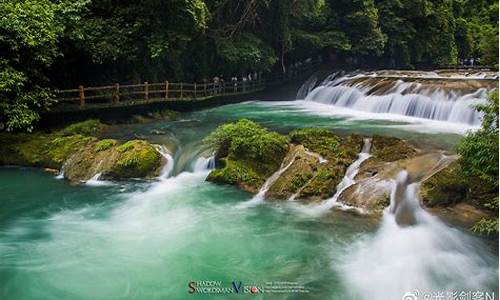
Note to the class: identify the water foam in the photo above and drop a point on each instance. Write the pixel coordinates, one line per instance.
(427, 256)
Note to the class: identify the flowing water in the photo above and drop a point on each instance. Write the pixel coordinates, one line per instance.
(149, 239)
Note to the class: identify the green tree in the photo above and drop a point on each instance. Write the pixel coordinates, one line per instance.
(479, 158)
(29, 33)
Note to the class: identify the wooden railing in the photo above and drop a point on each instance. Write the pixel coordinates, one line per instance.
(164, 91)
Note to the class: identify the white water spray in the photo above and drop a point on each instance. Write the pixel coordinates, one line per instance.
(348, 178)
(422, 254)
(261, 195)
(400, 98)
(96, 181)
(60, 175)
(170, 163)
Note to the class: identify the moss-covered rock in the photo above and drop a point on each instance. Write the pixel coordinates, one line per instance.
(296, 176)
(338, 151)
(444, 188)
(82, 156)
(136, 159)
(246, 153)
(450, 186)
(90, 127)
(104, 145)
(389, 149)
(40, 150)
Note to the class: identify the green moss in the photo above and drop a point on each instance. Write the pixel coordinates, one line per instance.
(42, 150)
(319, 140)
(247, 147)
(137, 159)
(237, 173)
(60, 148)
(391, 149)
(105, 144)
(444, 188)
(89, 127)
(323, 183)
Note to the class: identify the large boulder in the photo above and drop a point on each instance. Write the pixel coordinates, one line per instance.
(133, 159)
(320, 162)
(246, 154)
(373, 186)
(82, 154)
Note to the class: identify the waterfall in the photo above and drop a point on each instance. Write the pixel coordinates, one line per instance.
(260, 196)
(414, 252)
(386, 95)
(170, 163)
(60, 175)
(203, 164)
(95, 181)
(348, 178)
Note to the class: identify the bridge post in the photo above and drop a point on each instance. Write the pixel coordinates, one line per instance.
(146, 90)
(181, 90)
(166, 89)
(205, 89)
(82, 95)
(195, 90)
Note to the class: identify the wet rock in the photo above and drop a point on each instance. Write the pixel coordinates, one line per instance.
(246, 154)
(373, 186)
(82, 156)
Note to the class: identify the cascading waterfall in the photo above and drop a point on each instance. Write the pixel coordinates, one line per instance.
(60, 175)
(169, 165)
(260, 196)
(203, 163)
(96, 181)
(387, 95)
(415, 253)
(348, 178)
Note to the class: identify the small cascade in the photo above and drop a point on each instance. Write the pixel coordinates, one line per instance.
(404, 200)
(260, 196)
(385, 95)
(430, 255)
(350, 173)
(320, 158)
(168, 169)
(307, 87)
(203, 164)
(95, 181)
(60, 175)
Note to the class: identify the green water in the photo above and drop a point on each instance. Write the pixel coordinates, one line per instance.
(149, 239)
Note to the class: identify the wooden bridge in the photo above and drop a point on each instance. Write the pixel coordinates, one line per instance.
(117, 95)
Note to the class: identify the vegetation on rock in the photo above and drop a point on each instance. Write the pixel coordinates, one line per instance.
(82, 155)
(479, 162)
(248, 152)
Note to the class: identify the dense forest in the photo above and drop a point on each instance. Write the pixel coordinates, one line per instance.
(46, 44)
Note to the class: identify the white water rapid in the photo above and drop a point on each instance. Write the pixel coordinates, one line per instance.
(370, 94)
(413, 252)
(169, 165)
(348, 178)
(260, 196)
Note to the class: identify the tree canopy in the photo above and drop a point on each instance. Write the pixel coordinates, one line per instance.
(60, 43)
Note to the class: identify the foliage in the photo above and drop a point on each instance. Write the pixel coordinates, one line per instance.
(248, 140)
(321, 141)
(49, 44)
(248, 153)
(105, 144)
(90, 127)
(29, 34)
(479, 154)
